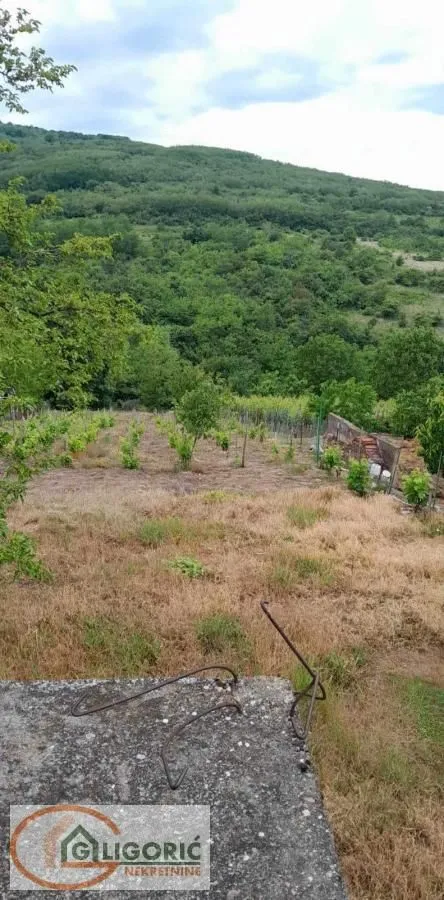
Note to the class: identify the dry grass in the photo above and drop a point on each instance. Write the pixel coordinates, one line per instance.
(358, 587)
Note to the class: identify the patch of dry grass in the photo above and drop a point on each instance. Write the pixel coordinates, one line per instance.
(360, 576)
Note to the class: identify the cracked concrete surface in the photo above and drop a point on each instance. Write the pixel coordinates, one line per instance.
(270, 838)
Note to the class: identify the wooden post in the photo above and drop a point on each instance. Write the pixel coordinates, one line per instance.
(434, 491)
(244, 449)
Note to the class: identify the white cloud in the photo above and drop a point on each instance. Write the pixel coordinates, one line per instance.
(360, 125)
(51, 12)
(328, 133)
(178, 82)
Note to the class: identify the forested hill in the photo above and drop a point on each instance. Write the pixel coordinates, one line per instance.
(272, 277)
(114, 175)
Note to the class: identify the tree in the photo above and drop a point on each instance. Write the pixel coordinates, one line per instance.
(196, 415)
(324, 358)
(199, 409)
(416, 487)
(22, 72)
(157, 376)
(412, 407)
(358, 478)
(405, 359)
(350, 399)
(431, 436)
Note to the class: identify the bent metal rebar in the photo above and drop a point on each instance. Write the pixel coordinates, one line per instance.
(312, 692)
(78, 709)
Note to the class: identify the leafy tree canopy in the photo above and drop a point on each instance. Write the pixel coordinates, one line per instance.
(21, 71)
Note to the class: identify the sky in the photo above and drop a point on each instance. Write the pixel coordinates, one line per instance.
(354, 86)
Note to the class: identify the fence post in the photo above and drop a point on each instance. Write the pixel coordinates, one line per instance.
(318, 435)
(434, 491)
(395, 469)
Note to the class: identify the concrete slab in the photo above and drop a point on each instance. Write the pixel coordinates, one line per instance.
(270, 837)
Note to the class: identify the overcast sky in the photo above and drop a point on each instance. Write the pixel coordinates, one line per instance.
(353, 86)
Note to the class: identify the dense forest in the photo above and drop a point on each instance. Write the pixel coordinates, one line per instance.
(128, 269)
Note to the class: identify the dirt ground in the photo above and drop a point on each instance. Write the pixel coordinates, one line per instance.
(99, 469)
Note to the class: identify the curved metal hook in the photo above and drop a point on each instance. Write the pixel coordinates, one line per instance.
(175, 783)
(303, 733)
(77, 711)
(315, 689)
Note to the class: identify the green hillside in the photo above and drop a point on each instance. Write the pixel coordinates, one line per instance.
(272, 277)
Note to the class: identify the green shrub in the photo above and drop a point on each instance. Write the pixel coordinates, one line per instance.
(105, 420)
(188, 566)
(358, 479)
(18, 550)
(222, 440)
(129, 445)
(76, 443)
(218, 632)
(199, 409)
(65, 460)
(183, 443)
(331, 459)
(416, 487)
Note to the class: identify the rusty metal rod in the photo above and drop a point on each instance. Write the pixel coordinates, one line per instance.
(77, 711)
(174, 783)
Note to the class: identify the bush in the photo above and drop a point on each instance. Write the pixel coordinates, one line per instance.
(64, 459)
(331, 459)
(199, 409)
(222, 440)
(183, 444)
(188, 566)
(129, 445)
(431, 435)
(77, 443)
(358, 479)
(416, 487)
(18, 550)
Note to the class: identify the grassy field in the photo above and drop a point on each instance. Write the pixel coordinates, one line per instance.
(157, 570)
